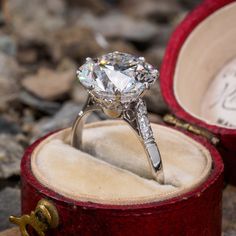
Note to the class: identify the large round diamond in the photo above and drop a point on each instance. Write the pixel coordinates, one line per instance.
(117, 76)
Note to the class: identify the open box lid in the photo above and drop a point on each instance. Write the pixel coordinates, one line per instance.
(174, 54)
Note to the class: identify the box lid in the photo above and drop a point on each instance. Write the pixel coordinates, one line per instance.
(176, 43)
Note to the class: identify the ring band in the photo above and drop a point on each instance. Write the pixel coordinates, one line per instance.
(132, 109)
(136, 117)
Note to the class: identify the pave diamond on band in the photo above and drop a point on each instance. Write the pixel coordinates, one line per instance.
(115, 83)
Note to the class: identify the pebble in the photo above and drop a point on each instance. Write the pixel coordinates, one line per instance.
(10, 156)
(121, 46)
(161, 11)
(155, 55)
(154, 118)
(79, 93)
(154, 100)
(163, 35)
(8, 127)
(229, 211)
(9, 205)
(189, 4)
(8, 45)
(62, 119)
(75, 42)
(48, 84)
(119, 25)
(9, 91)
(30, 22)
(96, 6)
(9, 67)
(47, 107)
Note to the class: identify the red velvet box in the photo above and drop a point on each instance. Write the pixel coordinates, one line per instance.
(198, 49)
(194, 212)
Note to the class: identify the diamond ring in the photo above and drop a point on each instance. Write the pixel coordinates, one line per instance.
(115, 83)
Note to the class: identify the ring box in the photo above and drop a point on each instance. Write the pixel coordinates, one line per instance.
(107, 189)
(198, 76)
(113, 194)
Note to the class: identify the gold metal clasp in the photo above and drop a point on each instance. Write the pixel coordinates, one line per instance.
(171, 119)
(43, 218)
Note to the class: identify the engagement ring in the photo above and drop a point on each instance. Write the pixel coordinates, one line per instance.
(116, 83)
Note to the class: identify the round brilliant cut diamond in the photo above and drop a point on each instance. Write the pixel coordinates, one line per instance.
(117, 76)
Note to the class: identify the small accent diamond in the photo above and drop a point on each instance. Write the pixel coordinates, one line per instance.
(144, 124)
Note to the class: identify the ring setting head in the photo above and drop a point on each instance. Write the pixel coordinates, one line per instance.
(116, 79)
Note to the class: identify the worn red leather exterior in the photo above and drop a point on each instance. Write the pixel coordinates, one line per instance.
(196, 213)
(227, 137)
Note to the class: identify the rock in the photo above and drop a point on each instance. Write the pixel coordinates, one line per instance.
(80, 42)
(46, 107)
(161, 11)
(33, 26)
(229, 233)
(229, 211)
(8, 45)
(27, 56)
(155, 55)
(121, 46)
(48, 84)
(2, 19)
(9, 87)
(190, 4)
(62, 119)
(119, 25)
(9, 205)
(154, 118)
(154, 100)
(67, 64)
(38, 18)
(11, 232)
(79, 94)
(8, 66)
(178, 19)
(163, 35)
(96, 6)
(9, 127)
(9, 91)
(10, 156)
(75, 42)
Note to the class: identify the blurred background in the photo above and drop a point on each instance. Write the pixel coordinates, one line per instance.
(42, 42)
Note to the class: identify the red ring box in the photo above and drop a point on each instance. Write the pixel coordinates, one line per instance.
(194, 212)
(189, 43)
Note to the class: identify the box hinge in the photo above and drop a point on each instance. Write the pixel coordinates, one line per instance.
(171, 119)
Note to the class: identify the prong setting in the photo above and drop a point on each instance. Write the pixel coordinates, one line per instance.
(118, 77)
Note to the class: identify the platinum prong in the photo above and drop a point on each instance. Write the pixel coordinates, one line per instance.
(88, 59)
(147, 85)
(91, 87)
(77, 72)
(157, 72)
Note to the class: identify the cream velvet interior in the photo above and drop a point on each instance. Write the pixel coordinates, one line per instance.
(199, 83)
(114, 168)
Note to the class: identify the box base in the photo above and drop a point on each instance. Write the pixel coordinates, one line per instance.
(197, 212)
